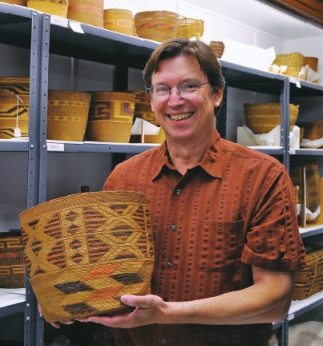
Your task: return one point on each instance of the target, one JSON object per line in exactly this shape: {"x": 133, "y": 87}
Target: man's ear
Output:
{"x": 218, "y": 95}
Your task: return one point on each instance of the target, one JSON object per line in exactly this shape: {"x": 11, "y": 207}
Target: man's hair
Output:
{"x": 181, "y": 46}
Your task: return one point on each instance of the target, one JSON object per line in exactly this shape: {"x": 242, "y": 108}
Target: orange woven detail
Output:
{"x": 102, "y": 271}
{"x": 105, "y": 293}
{"x": 85, "y": 8}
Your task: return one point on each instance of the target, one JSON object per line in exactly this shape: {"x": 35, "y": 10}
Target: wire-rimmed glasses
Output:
{"x": 187, "y": 90}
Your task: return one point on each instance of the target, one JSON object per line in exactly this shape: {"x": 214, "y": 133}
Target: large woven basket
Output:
{"x": 13, "y": 112}
{"x": 86, "y": 11}
{"x": 312, "y": 129}
{"x": 12, "y": 263}
{"x": 312, "y": 182}
{"x": 67, "y": 114}
{"x": 119, "y": 20}
{"x": 54, "y": 7}
{"x": 110, "y": 116}
{"x": 190, "y": 27}
{"x": 143, "y": 111}
{"x": 15, "y": 85}
{"x": 156, "y": 25}
{"x": 84, "y": 251}
{"x": 262, "y": 118}
{"x": 310, "y": 279}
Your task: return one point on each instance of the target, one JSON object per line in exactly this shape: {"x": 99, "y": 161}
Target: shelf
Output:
{"x": 14, "y": 145}
{"x": 307, "y": 152}
{"x": 302, "y": 88}
{"x": 310, "y": 231}
{"x": 300, "y": 307}
{"x": 12, "y": 301}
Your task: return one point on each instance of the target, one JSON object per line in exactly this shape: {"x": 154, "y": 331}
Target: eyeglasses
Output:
{"x": 187, "y": 90}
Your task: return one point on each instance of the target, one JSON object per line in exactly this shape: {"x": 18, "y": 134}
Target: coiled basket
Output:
{"x": 84, "y": 251}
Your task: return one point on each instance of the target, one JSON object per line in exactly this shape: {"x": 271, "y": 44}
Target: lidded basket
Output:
{"x": 84, "y": 251}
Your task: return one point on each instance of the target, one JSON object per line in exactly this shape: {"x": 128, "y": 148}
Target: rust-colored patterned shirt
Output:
{"x": 234, "y": 210}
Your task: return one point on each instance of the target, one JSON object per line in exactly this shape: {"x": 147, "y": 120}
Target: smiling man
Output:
{"x": 224, "y": 218}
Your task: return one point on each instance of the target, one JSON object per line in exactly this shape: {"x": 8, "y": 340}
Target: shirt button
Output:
{"x": 173, "y": 227}
{"x": 163, "y": 340}
{"x": 178, "y": 191}
{"x": 169, "y": 264}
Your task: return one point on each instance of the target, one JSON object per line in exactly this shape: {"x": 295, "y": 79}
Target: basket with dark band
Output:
{"x": 84, "y": 251}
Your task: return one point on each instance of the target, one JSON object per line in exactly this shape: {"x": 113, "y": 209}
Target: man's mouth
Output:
{"x": 180, "y": 116}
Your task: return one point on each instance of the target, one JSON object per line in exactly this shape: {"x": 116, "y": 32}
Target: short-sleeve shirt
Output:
{"x": 233, "y": 210}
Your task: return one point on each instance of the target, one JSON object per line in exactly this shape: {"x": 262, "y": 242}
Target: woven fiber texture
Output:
{"x": 12, "y": 264}
{"x": 190, "y": 27}
{"x": 119, "y": 20}
{"x": 262, "y": 118}
{"x": 68, "y": 113}
{"x": 17, "y": 85}
{"x": 310, "y": 279}
{"x": 86, "y": 11}
{"x": 55, "y": 7}
{"x": 84, "y": 251}
{"x": 156, "y": 25}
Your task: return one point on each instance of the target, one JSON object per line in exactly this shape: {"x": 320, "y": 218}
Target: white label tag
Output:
{"x": 60, "y": 21}
{"x": 290, "y": 317}
{"x": 76, "y": 27}
{"x": 55, "y": 146}
{"x": 298, "y": 83}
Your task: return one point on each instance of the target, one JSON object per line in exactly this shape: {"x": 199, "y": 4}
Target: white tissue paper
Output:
{"x": 248, "y": 55}
{"x": 309, "y": 215}
{"x": 311, "y": 144}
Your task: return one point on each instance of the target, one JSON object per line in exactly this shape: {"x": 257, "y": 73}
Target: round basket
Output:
{"x": 16, "y": 85}
{"x": 10, "y": 110}
{"x": 54, "y": 7}
{"x": 140, "y": 95}
{"x": 143, "y": 111}
{"x": 119, "y": 20}
{"x": 108, "y": 131}
{"x": 218, "y": 48}
{"x": 262, "y": 118}
{"x": 156, "y": 25}
{"x": 67, "y": 115}
{"x": 84, "y": 251}
{"x": 190, "y": 27}
{"x": 312, "y": 62}
{"x": 86, "y": 11}
{"x": 291, "y": 60}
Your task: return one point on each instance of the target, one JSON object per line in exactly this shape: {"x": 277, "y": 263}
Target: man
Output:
{"x": 224, "y": 218}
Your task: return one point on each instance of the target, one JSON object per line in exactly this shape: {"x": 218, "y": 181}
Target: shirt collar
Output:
{"x": 210, "y": 163}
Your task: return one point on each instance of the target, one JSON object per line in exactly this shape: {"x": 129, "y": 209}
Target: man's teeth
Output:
{"x": 180, "y": 116}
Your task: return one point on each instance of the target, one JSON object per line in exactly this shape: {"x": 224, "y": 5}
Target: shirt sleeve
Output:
{"x": 273, "y": 240}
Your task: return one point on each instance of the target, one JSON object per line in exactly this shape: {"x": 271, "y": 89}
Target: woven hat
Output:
{"x": 84, "y": 251}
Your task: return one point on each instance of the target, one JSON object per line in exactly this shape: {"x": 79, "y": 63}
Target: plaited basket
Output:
{"x": 262, "y": 118}
{"x": 86, "y": 11}
{"x": 190, "y": 27}
{"x": 10, "y": 110}
{"x": 67, "y": 114}
{"x": 156, "y": 25}
{"x": 12, "y": 262}
{"x": 110, "y": 117}
{"x": 218, "y": 48}
{"x": 119, "y": 20}
{"x": 84, "y": 251}
{"x": 312, "y": 182}
{"x": 54, "y": 7}
{"x": 310, "y": 279}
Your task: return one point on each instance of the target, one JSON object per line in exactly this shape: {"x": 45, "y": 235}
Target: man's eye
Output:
{"x": 161, "y": 89}
{"x": 189, "y": 86}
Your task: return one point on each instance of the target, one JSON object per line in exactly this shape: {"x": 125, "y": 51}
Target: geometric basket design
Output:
{"x": 84, "y": 251}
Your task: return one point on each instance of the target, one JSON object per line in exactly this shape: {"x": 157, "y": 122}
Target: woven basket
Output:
{"x": 262, "y": 118}
{"x": 84, "y": 251}
{"x": 140, "y": 95}
{"x": 293, "y": 61}
{"x": 218, "y": 48}
{"x": 143, "y": 111}
{"x": 54, "y": 7}
{"x": 312, "y": 129}
{"x": 310, "y": 279}
{"x": 312, "y": 62}
{"x": 16, "y": 85}
{"x": 67, "y": 114}
{"x": 190, "y": 27}
{"x": 10, "y": 110}
{"x": 108, "y": 131}
{"x": 156, "y": 25}
{"x": 312, "y": 183}
{"x": 16, "y": 2}
{"x": 86, "y": 11}
{"x": 12, "y": 263}
{"x": 119, "y": 20}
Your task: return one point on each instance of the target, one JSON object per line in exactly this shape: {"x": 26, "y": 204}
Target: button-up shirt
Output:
{"x": 233, "y": 210}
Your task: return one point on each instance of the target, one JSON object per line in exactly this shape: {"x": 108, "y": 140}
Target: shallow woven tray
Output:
{"x": 310, "y": 279}
{"x": 262, "y": 118}
{"x": 156, "y": 25}
{"x": 84, "y": 251}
